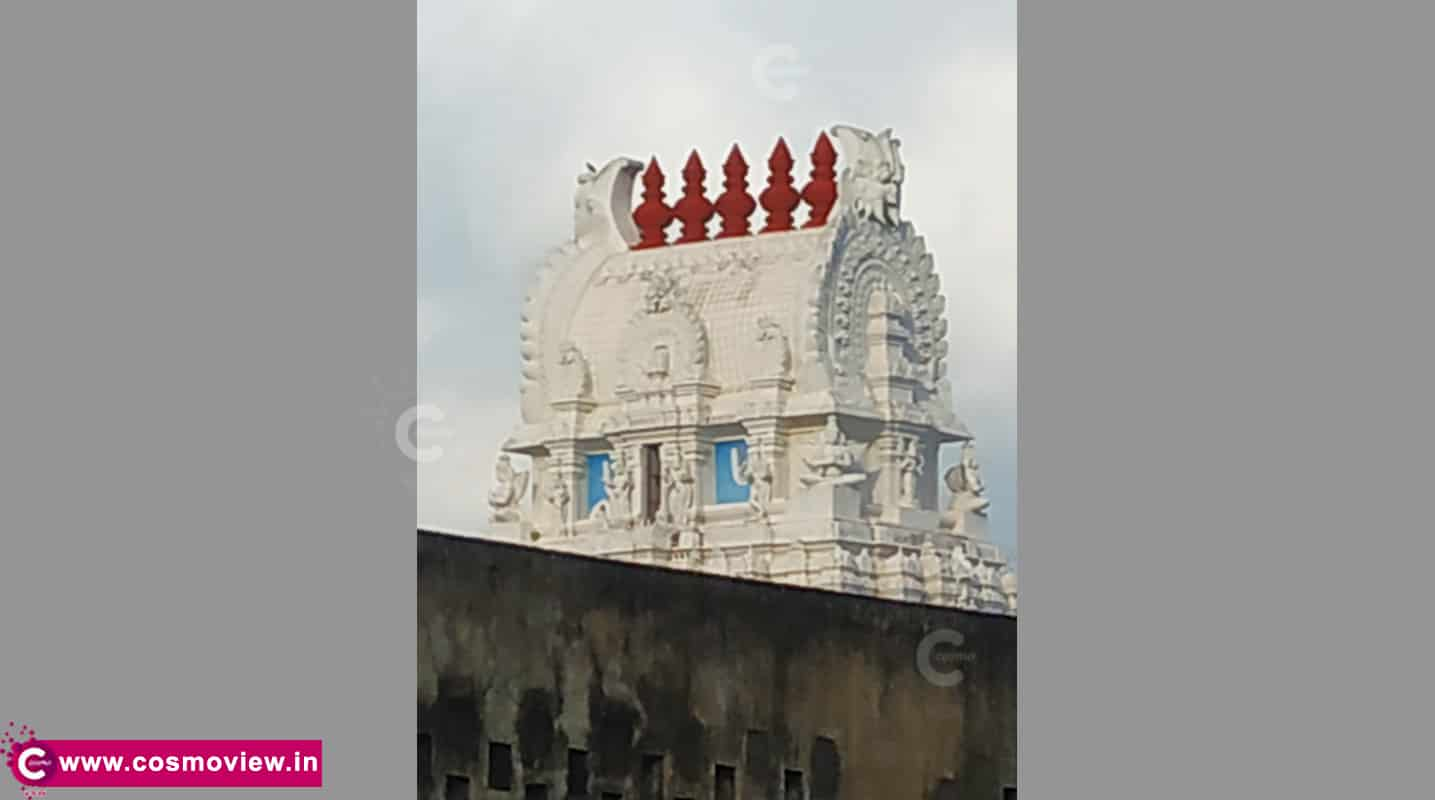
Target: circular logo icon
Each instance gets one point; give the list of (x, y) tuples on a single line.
[(936, 667), (774, 70), (34, 763)]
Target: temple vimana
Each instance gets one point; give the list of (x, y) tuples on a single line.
[(760, 398)]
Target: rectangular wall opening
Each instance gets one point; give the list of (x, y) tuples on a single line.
[(426, 786), (652, 482), (650, 784), (456, 788), (826, 769), (1008, 793), (726, 456), (596, 491), (535, 791), (577, 774), (724, 782), (500, 766), (792, 785)]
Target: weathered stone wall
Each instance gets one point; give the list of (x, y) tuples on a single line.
[(537, 667)]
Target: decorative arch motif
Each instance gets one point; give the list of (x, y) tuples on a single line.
[(600, 227), (866, 255), (664, 342), (574, 378)]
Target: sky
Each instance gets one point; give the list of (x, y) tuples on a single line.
[(514, 96)]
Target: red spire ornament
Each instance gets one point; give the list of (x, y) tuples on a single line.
[(693, 210), (779, 198), (735, 205), (821, 192), (652, 216)]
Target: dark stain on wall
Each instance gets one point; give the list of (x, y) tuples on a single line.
[(665, 675), (761, 767), (613, 723), (537, 717), (454, 724)]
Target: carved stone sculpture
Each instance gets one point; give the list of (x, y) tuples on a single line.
[(968, 579), (910, 563), (618, 482), (659, 364), (600, 203), (863, 563), (832, 461), (560, 499), (755, 473), (616, 509), (507, 492), (773, 352), (1008, 583), (872, 180), (658, 293), (574, 378), (909, 464), (965, 481), (678, 488)]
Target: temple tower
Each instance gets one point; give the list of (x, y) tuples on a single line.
[(759, 400)]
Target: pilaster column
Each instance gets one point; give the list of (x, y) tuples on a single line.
[(887, 489), (767, 436), (566, 467), (697, 452)]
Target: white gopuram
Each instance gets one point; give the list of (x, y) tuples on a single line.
[(767, 405)]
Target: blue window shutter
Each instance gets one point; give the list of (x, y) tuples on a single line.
[(728, 489), (596, 491)]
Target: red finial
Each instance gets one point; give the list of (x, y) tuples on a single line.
[(779, 199), (735, 205), (693, 209), (821, 192), (652, 215)]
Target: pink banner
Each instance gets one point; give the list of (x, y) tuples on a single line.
[(53, 763)]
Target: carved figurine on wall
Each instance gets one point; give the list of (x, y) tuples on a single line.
[(507, 492), (659, 364), (774, 354), (910, 463), (560, 498), (618, 482), (864, 564), (600, 195), (832, 460), (678, 488), (659, 291), (615, 510), (968, 578), (872, 180), (965, 481), (574, 377), (1008, 588), (756, 473)]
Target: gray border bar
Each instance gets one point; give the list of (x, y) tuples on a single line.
[(208, 317)]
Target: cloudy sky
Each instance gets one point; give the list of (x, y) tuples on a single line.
[(515, 95)]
